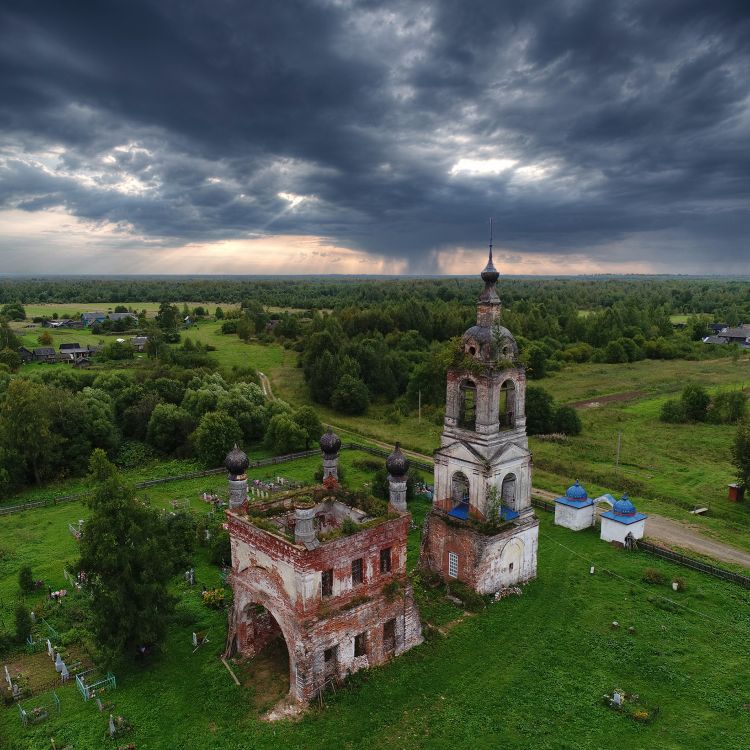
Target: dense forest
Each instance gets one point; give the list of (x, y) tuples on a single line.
[(726, 299)]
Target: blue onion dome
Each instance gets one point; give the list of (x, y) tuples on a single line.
[(576, 492), (623, 507), (236, 461), (330, 443), (397, 463)]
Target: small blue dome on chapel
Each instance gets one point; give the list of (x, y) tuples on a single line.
[(576, 492), (623, 507)]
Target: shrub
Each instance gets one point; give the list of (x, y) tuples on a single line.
[(695, 401), (214, 598), (26, 579), (672, 411), (567, 421), (653, 576), (133, 453), (680, 584), (469, 598), (349, 527), (350, 396), (23, 623), (728, 408)]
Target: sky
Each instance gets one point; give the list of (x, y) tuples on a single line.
[(288, 137)]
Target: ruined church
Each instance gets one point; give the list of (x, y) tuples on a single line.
[(325, 568)]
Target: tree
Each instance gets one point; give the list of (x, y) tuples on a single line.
[(26, 579), (23, 623), (567, 421), (168, 317), (695, 401), (537, 363), (350, 396), (307, 418), (168, 427), (25, 424), (284, 435), (214, 437), (615, 353), (45, 338), (13, 311), (219, 314), (10, 358), (741, 453), (8, 339), (126, 555), (539, 411)]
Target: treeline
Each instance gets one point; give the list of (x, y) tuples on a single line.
[(726, 300), (52, 420)]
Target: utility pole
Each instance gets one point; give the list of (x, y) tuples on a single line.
[(619, 444)]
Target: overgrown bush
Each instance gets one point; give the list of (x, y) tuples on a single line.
[(23, 623), (672, 411), (26, 579), (472, 601), (654, 576)]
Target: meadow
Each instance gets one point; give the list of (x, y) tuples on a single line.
[(529, 671)]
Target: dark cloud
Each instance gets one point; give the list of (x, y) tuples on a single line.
[(617, 129)]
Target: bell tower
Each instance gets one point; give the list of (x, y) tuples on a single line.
[(483, 466)]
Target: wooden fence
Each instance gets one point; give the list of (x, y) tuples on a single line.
[(256, 464), (675, 557), (691, 562)]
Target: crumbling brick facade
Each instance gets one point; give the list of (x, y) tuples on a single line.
[(343, 605)]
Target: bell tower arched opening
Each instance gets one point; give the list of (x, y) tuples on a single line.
[(509, 491), (467, 407), (507, 411)]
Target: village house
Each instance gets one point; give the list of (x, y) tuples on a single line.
[(739, 335), (45, 354), (139, 343)]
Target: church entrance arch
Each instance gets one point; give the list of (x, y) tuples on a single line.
[(261, 639)]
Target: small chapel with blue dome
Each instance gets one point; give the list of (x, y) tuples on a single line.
[(622, 521), (575, 510)]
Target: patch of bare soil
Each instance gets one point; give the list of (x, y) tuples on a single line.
[(267, 675), (611, 399)]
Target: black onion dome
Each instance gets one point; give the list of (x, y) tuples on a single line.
[(330, 443), (236, 461), (397, 463), (490, 274)]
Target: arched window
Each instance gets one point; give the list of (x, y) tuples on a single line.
[(467, 412), (508, 491), (460, 488), (507, 412)]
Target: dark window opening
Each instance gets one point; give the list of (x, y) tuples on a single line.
[(326, 579), (472, 350), (357, 572), (360, 644), (389, 635), (330, 654), (467, 414), (385, 560), (507, 415), (510, 567)]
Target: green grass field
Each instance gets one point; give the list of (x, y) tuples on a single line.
[(528, 672)]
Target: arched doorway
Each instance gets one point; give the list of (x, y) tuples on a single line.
[(507, 411), (460, 494), (508, 491), (467, 408), (267, 669)]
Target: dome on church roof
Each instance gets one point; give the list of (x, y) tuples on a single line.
[(495, 342), (330, 442), (397, 463), (236, 461), (623, 507), (576, 492)]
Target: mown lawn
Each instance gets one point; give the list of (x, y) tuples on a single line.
[(528, 672)]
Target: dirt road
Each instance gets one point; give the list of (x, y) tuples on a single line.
[(660, 529), (678, 534)]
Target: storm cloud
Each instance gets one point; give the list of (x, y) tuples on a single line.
[(614, 130)]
